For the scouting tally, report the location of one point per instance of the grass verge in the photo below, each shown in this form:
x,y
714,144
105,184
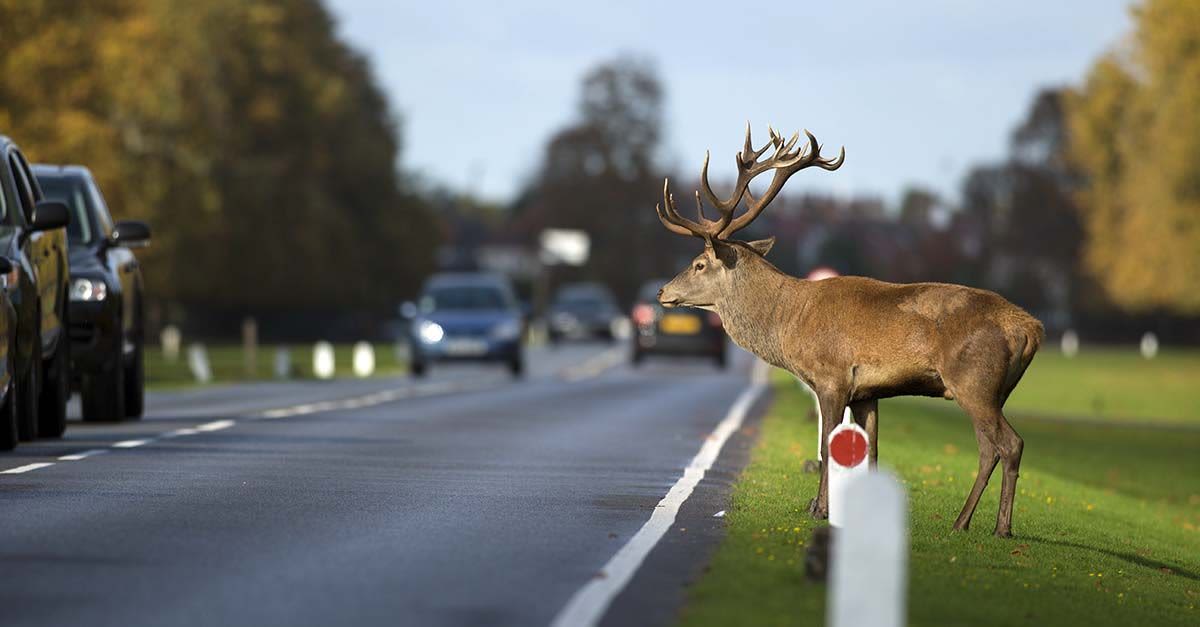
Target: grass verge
x,y
1107,518
229,365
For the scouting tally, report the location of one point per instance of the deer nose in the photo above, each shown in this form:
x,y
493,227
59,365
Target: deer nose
x,y
660,294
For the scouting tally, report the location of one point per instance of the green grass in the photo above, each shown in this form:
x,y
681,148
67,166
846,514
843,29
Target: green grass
x,y
1112,383
229,365
1107,518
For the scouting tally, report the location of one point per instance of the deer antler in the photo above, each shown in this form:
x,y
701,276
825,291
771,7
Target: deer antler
x,y
786,161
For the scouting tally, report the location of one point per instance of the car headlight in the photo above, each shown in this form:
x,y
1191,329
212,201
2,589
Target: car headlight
x,y
88,290
430,332
507,330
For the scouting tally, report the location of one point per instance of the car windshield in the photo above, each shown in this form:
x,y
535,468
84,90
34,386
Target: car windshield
x,y
583,297
73,193
464,297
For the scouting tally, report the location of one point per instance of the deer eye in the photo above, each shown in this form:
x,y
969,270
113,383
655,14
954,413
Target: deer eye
x,y
699,266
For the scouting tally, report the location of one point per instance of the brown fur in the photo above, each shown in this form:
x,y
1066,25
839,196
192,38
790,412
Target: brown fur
x,y
855,340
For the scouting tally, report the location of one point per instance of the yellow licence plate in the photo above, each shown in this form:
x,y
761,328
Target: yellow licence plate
x,y
680,324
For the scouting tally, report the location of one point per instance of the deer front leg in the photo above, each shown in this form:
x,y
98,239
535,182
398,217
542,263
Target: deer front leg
x,y
833,405
866,415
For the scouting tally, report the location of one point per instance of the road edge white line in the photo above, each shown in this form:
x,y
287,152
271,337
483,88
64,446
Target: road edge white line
x,y
26,468
589,604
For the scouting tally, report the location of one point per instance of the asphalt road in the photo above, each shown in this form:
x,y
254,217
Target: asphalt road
x,y
464,499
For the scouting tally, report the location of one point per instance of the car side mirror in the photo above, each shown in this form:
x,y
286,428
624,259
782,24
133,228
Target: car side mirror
x,y
49,215
131,234
408,310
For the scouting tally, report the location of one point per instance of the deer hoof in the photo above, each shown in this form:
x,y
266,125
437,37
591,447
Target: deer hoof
x,y
816,511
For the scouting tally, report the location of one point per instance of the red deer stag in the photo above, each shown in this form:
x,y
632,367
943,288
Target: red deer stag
x,y
855,340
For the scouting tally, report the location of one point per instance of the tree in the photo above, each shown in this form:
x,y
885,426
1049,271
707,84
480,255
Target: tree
x,y
600,174
1135,135
256,144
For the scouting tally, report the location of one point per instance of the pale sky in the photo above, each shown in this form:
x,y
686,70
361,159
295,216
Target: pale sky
x,y
916,91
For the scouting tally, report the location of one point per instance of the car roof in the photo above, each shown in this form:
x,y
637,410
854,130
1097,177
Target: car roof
x,y
49,169
480,279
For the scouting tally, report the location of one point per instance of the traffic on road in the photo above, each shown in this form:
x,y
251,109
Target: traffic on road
x,y
463,497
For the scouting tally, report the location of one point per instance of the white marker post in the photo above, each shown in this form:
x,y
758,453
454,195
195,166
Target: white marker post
x,y
1149,345
322,363
848,446
364,360
198,363
283,363
869,570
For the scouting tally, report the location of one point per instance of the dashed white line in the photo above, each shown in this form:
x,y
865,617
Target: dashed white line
x,y
595,365
26,468
130,443
216,425
74,457
590,602
358,402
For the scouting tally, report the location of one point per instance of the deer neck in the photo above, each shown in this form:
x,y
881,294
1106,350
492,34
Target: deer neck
x,y
753,310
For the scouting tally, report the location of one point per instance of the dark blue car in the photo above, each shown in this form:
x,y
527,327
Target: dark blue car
x,y
466,317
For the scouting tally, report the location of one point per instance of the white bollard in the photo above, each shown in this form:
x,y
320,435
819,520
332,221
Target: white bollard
x,y
1149,345
323,366
1070,343
869,569
848,446
198,363
170,338
364,360
283,363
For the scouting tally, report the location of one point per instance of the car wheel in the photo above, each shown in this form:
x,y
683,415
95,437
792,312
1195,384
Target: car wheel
x,y
721,360
516,366
135,383
638,357
56,389
8,419
28,390
418,368
103,392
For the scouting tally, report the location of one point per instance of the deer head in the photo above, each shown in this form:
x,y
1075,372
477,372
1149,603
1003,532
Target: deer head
x,y
713,273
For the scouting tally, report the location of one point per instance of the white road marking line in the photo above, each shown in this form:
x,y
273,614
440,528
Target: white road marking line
x,y
594,365
216,425
590,602
26,468
358,402
130,443
720,514
74,457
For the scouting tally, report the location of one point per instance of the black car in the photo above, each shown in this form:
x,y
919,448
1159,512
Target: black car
x,y
33,238
466,317
106,319
675,331
583,311
9,431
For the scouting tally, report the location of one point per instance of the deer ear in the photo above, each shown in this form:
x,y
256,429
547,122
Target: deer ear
x,y
762,246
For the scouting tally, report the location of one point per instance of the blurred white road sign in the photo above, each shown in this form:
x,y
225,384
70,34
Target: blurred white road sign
x,y
364,360
564,246
869,570
323,360
848,448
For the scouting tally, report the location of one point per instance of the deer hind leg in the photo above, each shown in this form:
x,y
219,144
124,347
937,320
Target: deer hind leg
x,y
987,464
866,415
833,405
998,442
